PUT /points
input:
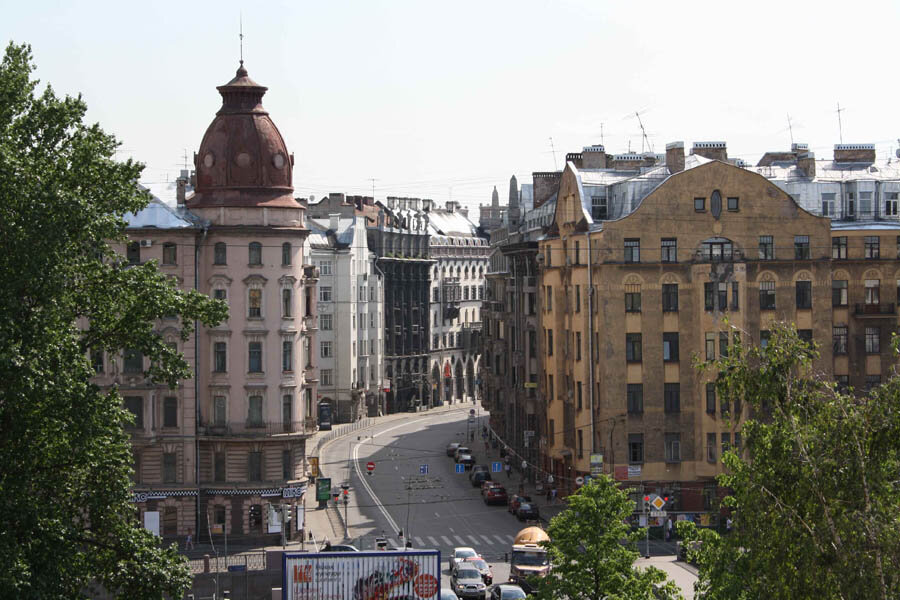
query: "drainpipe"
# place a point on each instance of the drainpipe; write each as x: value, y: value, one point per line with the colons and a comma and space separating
x: 197, y: 380
x: 590, y: 328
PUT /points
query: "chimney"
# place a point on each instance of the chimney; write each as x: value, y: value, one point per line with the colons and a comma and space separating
x: 806, y: 162
x: 464, y: 211
x: 576, y: 158
x: 593, y: 157
x: 546, y: 183
x: 863, y: 153
x: 452, y: 205
x: 711, y: 150
x: 180, y: 184
x: 675, y: 157
x: 334, y: 221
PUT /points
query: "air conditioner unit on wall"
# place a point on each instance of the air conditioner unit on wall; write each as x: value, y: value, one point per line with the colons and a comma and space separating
x: 146, y: 243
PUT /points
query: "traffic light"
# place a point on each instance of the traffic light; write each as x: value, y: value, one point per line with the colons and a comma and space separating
x: 646, y: 503
x: 346, y: 496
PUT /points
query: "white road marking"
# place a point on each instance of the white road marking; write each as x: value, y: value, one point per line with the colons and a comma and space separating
x: 392, y: 543
x: 419, y: 542
x: 487, y: 539
x: 446, y: 541
x: 459, y: 539
x: 502, y: 541
x: 433, y: 541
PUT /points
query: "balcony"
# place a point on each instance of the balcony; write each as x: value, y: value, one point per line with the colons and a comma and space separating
x: 865, y: 311
x: 310, y: 323
x: 254, y: 429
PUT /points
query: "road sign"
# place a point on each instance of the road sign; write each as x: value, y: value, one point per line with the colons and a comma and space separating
x: 460, y: 468
x: 471, y: 419
x: 496, y: 467
x: 658, y: 503
x: 423, y: 469
x: 587, y: 478
x: 370, y: 466
x: 596, y: 464
x: 579, y: 481
x: 658, y: 513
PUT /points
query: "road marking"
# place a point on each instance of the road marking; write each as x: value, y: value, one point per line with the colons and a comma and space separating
x: 487, y: 539
x: 433, y: 541
x: 392, y: 543
x: 446, y: 541
x: 459, y: 539
x: 475, y: 540
x: 419, y: 542
x: 502, y: 541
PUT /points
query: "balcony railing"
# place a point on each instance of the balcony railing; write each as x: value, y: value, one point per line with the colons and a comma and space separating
x: 875, y: 310
x: 254, y: 429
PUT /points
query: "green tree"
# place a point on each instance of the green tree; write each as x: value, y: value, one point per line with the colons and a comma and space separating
x: 592, y: 550
x: 67, y: 521
x: 814, y: 493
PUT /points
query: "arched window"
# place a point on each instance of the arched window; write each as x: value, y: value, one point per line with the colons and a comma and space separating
x: 286, y: 253
x: 219, y: 253
x: 255, y: 253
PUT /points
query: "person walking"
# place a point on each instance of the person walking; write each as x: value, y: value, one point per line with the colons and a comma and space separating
x: 189, y: 542
x: 508, y: 470
x: 669, y: 530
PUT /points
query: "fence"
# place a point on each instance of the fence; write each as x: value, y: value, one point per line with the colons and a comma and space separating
x: 339, y: 430
x: 246, y: 561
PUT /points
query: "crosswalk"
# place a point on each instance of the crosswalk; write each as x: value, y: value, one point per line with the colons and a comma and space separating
x: 446, y: 543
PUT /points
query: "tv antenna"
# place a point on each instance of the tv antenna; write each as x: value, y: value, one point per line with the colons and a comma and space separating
x: 790, y: 128
x: 373, y: 180
x: 644, y: 137
x: 185, y: 159
x: 553, y: 151
x: 241, y: 36
x: 840, y: 125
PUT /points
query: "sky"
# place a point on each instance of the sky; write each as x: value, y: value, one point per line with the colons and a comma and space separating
x: 446, y: 100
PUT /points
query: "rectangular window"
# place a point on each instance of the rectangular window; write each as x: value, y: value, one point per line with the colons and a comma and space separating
x: 254, y: 303
x: 767, y: 295
x: 709, y: 296
x: 735, y: 295
x: 722, y: 295
x: 327, y: 377
x: 839, y: 247
x: 287, y: 355
x: 764, y: 338
x: 599, y: 208
x: 801, y: 247
x: 766, y: 247
x: 843, y: 383
x: 635, y: 448
x: 326, y: 322
x: 325, y: 293
x: 219, y: 410
x: 287, y: 297
x: 633, y: 297
x: 839, y: 339
x: 324, y: 267
x: 169, y: 472
x: 255, y: 411
x: 726, y: 442
x: 673, y: 447
x: 254, y: 466
x: 97, y: 361
x: 670, y: 297
x: 828, y: 205
x: 865, y: 204
x: 699, y: 204
x: 577, y: 345
x: 220, y: 294
x: 550, y: 393
x: 549, y: 342
x: 723, y: 343
x: 220, y: 357
x: 890, y: 204
x: 711, y: 398
x: 873, y: 291
x: 670, y: 347
x: 635, y: 397
x: 219, y: 253
x: 135, y: 405
x: 633, y: 347
x: 326, y: 349
x: 711, y: 447
x: 733, y: 203
x: 804, y: 294
x: 170, y: 411
x: 549, y: 297
x: 872, y: 382
x: 133, y: 253
x: 672, y: 397
x: 255, y: 253
x: 170, y: 254
x: 872, y: 246
x: 579, y: 395
x: 806, y: 335
x: 632, y: 250
x: 710, y: 346
x: 839, y: 292
x: 873, y: 340
x: 669, y: 250
x: 577, y: 298
x: 134, y: 361
x: 580, y: 443
x: 255, y: 357
x: 219, y: 468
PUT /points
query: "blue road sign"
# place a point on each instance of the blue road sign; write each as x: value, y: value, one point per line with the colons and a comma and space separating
x: 460, y: 468
x: 496, y: 467
x: 423, y: 469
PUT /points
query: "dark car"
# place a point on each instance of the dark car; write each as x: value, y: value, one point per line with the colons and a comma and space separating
x: 515, y: 501
x: 479, y: 477
x: 495, y: 495
x: 507, y: 591
x: 528, y: 512
x: 477, y: 468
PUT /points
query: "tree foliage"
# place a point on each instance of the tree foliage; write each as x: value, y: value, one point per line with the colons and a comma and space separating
x: 814, y: 494
x: 68, y: 522
x: 592, y: 550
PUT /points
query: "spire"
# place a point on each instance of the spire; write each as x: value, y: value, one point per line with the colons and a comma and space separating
x: 495, y: 198
x: 513, y: 191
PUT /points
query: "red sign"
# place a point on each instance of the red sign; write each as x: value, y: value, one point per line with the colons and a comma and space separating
x: 370, y: 466
x: 621, y: 473
x: 426, y: 585
x: 446, y: 369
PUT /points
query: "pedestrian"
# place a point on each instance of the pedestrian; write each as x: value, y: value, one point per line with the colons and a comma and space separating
x: 549, y: 495
x: 189, y: 542
x: 728, y: 525
x: 553, y: 496
x: 669, y: 530
x: 508, y: 470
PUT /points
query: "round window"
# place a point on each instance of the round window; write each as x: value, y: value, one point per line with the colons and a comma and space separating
x: 209, y: 160
x: 278, y: 160
x: 242, y: 159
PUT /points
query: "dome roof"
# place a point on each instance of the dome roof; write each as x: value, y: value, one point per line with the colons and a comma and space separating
x: 243, y: 160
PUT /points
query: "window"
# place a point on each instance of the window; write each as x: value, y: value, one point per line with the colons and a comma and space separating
x: 766, y: 247
x: 670, y: 347
x: 327, y: 377
x: 767, y: 295
x: 169, y: 467
x: 804, y: 294
x: 735, y: 295
x: 549, y: 342
x: 828, y: 205
x: 550, y: 395
x: 632, y: 250
x: 255, y: 411
x: 325, y: 267
x: 839, y: 292
x: 287, y: 468
x: 715, y: 295
x: 577, y: 345
x: 726, y: 442
x: 873, y: 340
x: 699, y: 204
x: 709, y: 296
x: 580, y: 443
x: 219, y: 410
x: 255, y: 357
x: 872, y: 246
x: 843, y: 382
x: 635, y: 397
x: 287, y: 355
x: 133, y: 253
x: 851, y: 205
x: 578, y: 298
x: 710, y: 346
x: 711, y: 447
x: 220, y: 357
x: 839, y: 247
x: 286, y: 254
x: 669, y: 250
x: 711, y: 398
x: 865, y: 204
x: 287, y: 297
x: 633, y: 297
x: 135, y: 405
x: 219, y: 474
x: 801, y: 247
x: 170, y: 411
x: 723, y: 343
x: 633, y: 347
x: 890, y: 204
x: 254, y: 303
x: 325, y: 322
x: 806, y: 335
x: 255, y: 253
x: 839, y: 339
x: 220, y: 294
x: 673, y: 447
x: 635, y: 448
x: 170, y: 254
x: 733, y: 203
x: 718, y: 250
x: 872, y: 381
x: 670, y: 297
x: 325, y: 293
x: 326, y: 350
x: 722, y: 295
x: 764, y: 336
x: 738, y: 443
x: 873, y: 291
x: 97, y: 361
x: 134, y: 361
x: 577, y: 258
x: 254, y: 473
x: 599, y: 208
x: 219, y: 253
x: 549, y: 297
x: 672, y: 397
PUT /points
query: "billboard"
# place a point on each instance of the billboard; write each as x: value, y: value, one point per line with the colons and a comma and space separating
x: 401, y: 575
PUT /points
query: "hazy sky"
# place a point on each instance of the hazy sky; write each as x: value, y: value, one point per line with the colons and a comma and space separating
x: 433, y: 99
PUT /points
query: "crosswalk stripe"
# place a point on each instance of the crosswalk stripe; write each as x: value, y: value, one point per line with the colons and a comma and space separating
x: 392, y: 543
x: 487, y: 539
x: 419, y: 542
x: 446, y: 541
x: 497, y: 537
x: 433, y: 541
x: 475, y: 541
x: 461, y: 541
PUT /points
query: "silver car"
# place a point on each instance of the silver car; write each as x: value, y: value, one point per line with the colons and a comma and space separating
x: 467, y: 583
x: 459, y: 555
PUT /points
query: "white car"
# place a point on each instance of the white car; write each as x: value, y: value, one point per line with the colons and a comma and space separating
x: 459, y: 555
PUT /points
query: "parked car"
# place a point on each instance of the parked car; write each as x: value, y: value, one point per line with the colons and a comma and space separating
x: 507, y: 591
x: 478, y: 468
x: 466, y: 459
x: 466, y: 582
x: 460, y: 450
x: 339, y: 548
x: 495, y: 495
x: 528, y: 511
x: 487, y: 575
x: 460, y: 554
x: 515, y: 501
x: 448, y: 594
x: 485, y: 485
x: 451, y: 448
x: 479, y: 477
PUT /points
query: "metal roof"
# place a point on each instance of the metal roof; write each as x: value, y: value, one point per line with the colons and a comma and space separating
x: 159, y: 215
x: 342, y: 237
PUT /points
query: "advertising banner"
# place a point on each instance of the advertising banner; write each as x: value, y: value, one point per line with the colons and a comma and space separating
x: 323, y: 489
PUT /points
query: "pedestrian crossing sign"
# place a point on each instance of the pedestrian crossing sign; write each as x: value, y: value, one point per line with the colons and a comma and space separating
x: 423, y: 469
x: 496, y: 467
x: 460, y: 468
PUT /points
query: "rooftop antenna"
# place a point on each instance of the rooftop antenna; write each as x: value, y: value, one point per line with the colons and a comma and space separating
x: 790, y: 128
x: 553, y: 150
x: 185, y: 159
x: 241, y: 36
x: 840, y: 125
x: 644, y: 137
x: 602, y: 143
x: 373, y: 180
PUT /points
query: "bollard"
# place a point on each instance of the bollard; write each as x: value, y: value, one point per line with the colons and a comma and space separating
x: 206, y: 563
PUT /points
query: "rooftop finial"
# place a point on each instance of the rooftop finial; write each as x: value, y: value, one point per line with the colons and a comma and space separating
x: 241, y: 36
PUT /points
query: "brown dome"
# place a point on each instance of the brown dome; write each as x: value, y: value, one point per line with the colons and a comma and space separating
x: 242, y: 159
